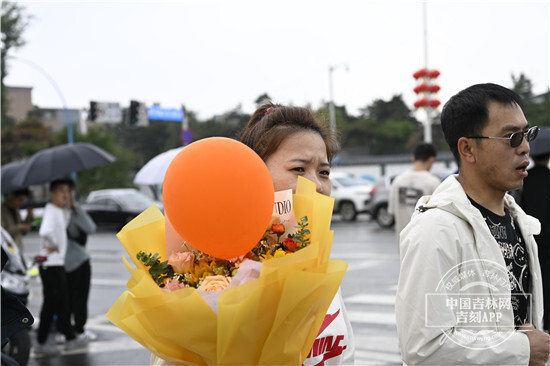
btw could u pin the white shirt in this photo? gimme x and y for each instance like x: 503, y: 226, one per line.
x: 53, y: 232
x: 334, y: 344
x: 405, y: 191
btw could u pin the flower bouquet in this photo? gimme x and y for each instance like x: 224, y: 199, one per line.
x: 270, y: 320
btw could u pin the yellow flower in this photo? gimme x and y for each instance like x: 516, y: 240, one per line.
x: 278, y: 253
x: 191, y: 278
x: 202, y: 266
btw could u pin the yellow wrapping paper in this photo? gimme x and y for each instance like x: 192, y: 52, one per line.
x: 272, y: 320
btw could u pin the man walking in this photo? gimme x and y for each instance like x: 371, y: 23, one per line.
x: 409, y: 186
x: 469, y: 289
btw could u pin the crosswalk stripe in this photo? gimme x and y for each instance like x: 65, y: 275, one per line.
x: 376, y: 358
x: 100, y: 347
x: 363, y: 264
x: 371, y: 317
x: 367, y: 255
x: 377, y: 343
x: 108, y: 282
x: 371, y: 299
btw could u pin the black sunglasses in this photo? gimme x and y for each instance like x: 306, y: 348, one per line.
x: 516, y: 138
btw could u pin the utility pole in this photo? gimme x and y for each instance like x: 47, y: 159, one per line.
x: 426, y: 85
x: 332, y: 113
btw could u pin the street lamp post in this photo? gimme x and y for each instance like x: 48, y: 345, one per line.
x: 332, y: 113
x: 70, y: 135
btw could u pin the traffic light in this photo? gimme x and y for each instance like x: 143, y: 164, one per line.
x: 134, y: 113
x: 92, y: 116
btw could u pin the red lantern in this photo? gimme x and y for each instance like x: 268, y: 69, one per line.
x: 421, y: 103
x: 420, y: 73
x: 433, y: 74
x: 421, y: 88
x: 433, y: 88
x: 427, y: 88
x: 434, y: 103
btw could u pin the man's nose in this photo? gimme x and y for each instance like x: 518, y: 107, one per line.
x: 524, y: 147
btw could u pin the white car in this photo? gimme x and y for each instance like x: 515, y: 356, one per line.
x: 116, y: 207
x: 351, y: 195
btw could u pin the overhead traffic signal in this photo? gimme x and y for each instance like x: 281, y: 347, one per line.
x: 134, y: 112
x: 92, y: 116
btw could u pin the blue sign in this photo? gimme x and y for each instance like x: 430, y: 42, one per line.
x: 165, y: 114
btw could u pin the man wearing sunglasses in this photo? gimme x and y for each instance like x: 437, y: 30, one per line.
x: 469, y: 288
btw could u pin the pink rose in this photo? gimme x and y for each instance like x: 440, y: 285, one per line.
x: 182, y: 262
x: 172, y: 285
x: 215, y: 283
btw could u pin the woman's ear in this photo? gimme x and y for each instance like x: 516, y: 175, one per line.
x: 466, y: 149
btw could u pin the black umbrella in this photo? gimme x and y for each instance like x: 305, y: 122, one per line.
x: 541, y: 144
x: 8, y: 173
x: 59, y: 161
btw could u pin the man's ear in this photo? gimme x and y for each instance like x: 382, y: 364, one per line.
x: 466, y: 149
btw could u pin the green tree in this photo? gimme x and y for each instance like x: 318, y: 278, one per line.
x: 24, y: 139
x: 262, y: 98
x: 118, y: 174
x: 384, y: 127
x: 539, y: 111
x: 535, y: 107
x: 523, y: 86
x: 14, y: 22
x: 229, y: 124
x: 147, y: 142
x: 394, y: 109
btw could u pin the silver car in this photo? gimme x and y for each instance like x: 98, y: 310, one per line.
x: 351, y: 195
x: 378, y: 204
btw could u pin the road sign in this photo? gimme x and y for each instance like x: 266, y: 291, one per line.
x: 165, y: 114
x: 106, y: 112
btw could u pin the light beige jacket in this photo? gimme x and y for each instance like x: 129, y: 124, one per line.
x: 445, y: 231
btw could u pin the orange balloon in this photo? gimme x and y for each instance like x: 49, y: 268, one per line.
x: 219, y: 196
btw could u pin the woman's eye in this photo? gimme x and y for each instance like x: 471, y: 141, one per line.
x: 299, y: 169
x: 325, y: 172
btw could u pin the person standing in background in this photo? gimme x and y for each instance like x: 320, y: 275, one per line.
x: 535, y: 201
x: 53, y: 233
x: 409, y: 186
x: 11, y: 218
x: 77, y: 264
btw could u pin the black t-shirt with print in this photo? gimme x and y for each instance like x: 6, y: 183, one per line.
x: 508, y: 235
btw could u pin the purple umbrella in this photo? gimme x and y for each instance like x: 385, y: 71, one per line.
x: 59, y: 161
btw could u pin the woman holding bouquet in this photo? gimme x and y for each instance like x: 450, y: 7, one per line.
x: 293, y: 143
x: 274, y: 297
